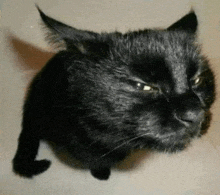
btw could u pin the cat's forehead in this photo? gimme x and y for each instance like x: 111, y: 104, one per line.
x: 160, y: 41
x: 169, y: 45
x: 161, y: 56
x: 164, y: 46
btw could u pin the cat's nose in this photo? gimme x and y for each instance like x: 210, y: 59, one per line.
x: 188, y: 109
x: 190, y: 116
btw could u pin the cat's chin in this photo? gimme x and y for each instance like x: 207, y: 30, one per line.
x: 173, y: 147
x: 171, y: 143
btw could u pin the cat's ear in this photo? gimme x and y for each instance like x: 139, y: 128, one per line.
x: 188, y: 23
x: 84, y: 41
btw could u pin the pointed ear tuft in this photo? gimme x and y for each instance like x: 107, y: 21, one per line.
x: 73, y: 37
x: 187, y: 23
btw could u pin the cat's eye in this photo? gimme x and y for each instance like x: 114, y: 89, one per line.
x: 197, y: 80
x: 144, y: 87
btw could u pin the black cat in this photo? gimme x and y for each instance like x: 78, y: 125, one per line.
x: 110, y: 93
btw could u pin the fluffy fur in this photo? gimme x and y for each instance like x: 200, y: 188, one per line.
x: 110, y: 93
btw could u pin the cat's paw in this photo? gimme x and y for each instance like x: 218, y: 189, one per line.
x: 29, y: 169
x: 102, y: 174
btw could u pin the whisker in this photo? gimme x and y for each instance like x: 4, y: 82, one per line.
x: 96, y: 141
x: 126, y: 142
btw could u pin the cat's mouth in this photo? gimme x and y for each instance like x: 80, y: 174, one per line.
x: 175, y: 143
x: 171, y: 142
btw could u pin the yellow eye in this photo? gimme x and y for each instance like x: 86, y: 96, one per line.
x: 144, y: 87
x: 197, y: 80
x: 147, y: 88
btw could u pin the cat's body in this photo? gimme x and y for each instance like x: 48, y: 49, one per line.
x: 108, y: 94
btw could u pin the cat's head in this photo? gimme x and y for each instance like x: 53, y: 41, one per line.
x: 144, y: 88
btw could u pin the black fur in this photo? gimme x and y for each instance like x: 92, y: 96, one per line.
x: 110, y: 93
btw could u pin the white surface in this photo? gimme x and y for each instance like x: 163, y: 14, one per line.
x: 196, y: 171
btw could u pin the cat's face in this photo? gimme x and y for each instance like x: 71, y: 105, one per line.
x: 148, y: 88
x: 153, y: 85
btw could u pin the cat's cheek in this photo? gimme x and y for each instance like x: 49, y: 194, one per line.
x: 206, y: 98
x: 206, y: 93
